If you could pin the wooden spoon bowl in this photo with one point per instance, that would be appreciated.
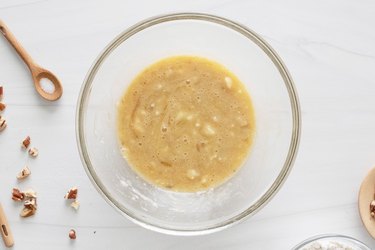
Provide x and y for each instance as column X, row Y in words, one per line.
column 38, row 75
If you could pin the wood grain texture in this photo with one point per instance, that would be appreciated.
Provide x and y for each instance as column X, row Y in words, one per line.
column 5, row 230
column 365, row 197
column 328, row 47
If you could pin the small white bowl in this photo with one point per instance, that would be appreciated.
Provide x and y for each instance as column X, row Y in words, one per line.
column 325, row 239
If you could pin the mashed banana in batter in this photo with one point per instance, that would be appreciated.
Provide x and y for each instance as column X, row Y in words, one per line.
column 186, row 124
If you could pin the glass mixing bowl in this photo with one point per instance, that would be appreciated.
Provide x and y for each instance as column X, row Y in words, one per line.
column 277, row 120
column 326, row 240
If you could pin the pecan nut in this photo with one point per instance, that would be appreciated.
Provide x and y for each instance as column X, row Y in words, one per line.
column 17, row 195
column 33, row 152
column 72, row 193
column 72, row 234
column 3, row 123
column 30, row 204
column 24, row 173
column 2, row 106
column 26, row 142
column 75, row 204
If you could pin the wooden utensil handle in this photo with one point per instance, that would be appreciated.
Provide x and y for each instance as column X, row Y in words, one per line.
column 5, row 229
column 16, row 45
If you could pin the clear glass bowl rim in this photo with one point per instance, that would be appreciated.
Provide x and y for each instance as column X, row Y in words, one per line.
column 253, row 37
column 325, row 236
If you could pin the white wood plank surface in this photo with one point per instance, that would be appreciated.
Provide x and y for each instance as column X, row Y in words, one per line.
column 329, row 48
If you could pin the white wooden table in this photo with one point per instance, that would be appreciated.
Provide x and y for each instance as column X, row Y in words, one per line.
column 329, row 48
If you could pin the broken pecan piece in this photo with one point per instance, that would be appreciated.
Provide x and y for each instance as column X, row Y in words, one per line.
column 17, row 195
column 2, row 106
column 30, row 193
column 72, row 234
column 3, row 123
column 26, row 142
column 24, row 173
column 26, row 212
column 30, row 205
column 33, row 152
column 72, row 193
column 372, row 208
column 75, row 204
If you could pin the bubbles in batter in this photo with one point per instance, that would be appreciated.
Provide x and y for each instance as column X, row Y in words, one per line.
column 186, row 124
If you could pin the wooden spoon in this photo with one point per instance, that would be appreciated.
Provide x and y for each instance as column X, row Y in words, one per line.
column 5, row 229
column 37, row 72
column 366, row 195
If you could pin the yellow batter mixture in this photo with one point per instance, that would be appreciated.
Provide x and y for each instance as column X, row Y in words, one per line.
column 186, row 123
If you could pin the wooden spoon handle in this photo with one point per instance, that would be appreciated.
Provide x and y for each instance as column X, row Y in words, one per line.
column 37, row 72
column 17, row 46
column 5, row 229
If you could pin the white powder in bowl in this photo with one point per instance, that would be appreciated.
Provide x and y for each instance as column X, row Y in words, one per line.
column 319, row 245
